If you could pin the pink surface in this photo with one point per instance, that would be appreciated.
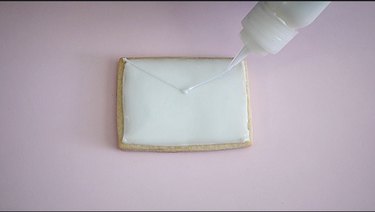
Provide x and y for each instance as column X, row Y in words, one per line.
column 313, row 109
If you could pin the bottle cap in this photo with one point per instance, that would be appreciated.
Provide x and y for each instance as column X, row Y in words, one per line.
column 264, row 32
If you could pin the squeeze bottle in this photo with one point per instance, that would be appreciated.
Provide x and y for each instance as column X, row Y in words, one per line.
column 269, row 26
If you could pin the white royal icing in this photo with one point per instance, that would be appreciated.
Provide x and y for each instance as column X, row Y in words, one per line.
column 156, row 112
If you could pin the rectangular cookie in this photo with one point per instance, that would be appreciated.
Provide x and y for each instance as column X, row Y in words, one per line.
column 154, row 115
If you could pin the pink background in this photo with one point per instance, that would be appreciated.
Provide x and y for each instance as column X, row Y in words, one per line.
column 313, row 110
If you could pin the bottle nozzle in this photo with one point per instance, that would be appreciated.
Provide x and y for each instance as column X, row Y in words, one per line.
column 241, row 55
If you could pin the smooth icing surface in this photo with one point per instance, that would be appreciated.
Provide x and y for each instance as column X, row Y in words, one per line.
column 156, row 112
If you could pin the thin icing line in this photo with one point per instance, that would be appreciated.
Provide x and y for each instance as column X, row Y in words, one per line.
column 157, row 78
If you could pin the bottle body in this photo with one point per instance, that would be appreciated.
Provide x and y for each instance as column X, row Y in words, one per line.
column 269, row 26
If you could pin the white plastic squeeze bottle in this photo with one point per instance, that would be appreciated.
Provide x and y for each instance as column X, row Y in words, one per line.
column 269, row 26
